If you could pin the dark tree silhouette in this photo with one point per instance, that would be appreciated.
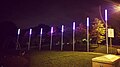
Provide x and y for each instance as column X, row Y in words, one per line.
column 8, row 32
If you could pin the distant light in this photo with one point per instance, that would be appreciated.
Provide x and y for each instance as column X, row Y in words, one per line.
column 87, row 21
column 41, row 30
column 30, row 31
column 18, row 31
column 73, row 25
column 116, row 8
column 51, row 29
column 105, row 14
column 62, row 28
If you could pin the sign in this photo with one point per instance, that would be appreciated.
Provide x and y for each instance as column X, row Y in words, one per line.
column 111, row 33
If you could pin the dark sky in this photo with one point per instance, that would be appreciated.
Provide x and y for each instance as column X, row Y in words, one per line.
column 27, row 13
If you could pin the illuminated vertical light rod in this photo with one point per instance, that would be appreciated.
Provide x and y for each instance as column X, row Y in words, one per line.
column 41, row 30
column 30, row 33
column 106, row 18
column 51, row 38
column 18, row 31
column 18, row 45
column 73, row 36
column 88, row 34
column 62, row 31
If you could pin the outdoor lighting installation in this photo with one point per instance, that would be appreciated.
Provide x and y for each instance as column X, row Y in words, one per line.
column 18, row 45
column 18, row 31
column 62, row 37
column 73, row 36
column 116, row 7
column 87, row 34
column 106, row 18
column 41, row 30
column 51, row 38
column 30, row 33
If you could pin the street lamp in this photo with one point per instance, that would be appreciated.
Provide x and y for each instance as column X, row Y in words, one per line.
column 41, row 30
column 18, row 44
column 30, row 33
column 106, row 29
column 116, row 8
column 73, row 36
column 87, row 34
column 62, row 37
column 115, row 5
column 51, row 38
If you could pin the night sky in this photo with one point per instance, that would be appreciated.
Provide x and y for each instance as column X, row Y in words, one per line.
column 27, row 13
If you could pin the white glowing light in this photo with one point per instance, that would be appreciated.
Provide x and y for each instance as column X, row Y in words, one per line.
column 117, row 8
column 51, row 29
column 62, row 28
column 41, row 30
column 73, row 25
column 87, row 21
column 105, row 14
column 18, row 31
column 30, row 31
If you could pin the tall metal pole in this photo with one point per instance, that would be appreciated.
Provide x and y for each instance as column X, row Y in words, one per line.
column 62, row 37
column 51, row 38
column 18, row 44
column 30, row 33
column 40, row 39
column 73, row 36
column 87, row 34
column 110, row 41
column 106, row 29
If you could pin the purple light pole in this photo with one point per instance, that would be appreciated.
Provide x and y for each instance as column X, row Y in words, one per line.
column 62, row 37
column 41, row 30
column 51, row 38
column 30, row 33
column 73, row 36
column 87, row 34
column 106, row 18
column 18, row 44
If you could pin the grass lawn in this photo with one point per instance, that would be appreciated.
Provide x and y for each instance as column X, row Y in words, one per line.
column 62, row 59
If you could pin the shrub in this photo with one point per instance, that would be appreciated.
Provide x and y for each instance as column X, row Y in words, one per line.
column 103, row 49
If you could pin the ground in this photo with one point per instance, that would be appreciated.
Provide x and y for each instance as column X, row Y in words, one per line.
column 52, row 59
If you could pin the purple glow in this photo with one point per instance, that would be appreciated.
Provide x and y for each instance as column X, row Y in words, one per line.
column 105, row 14
column 62, row 28
column 30, row 31
column 88, row 21
column 51, row 29
column 18, row 31
column 41, row 30
column 73, row 25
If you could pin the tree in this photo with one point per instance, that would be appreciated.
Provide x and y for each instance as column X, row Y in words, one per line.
column 8, row 35
column 98, row 31
column 81, row 32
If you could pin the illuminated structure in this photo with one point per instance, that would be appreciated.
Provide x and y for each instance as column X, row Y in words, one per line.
column 18, row 44
column 73, row 36
column 106, row 29
column 62, row 37
column 51, row 38
column 106, row 18
column 87, row 34
column 41, row 30
column 30, row 33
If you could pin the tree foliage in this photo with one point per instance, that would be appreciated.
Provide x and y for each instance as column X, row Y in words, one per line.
column 81, row 32
column 98, row 31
